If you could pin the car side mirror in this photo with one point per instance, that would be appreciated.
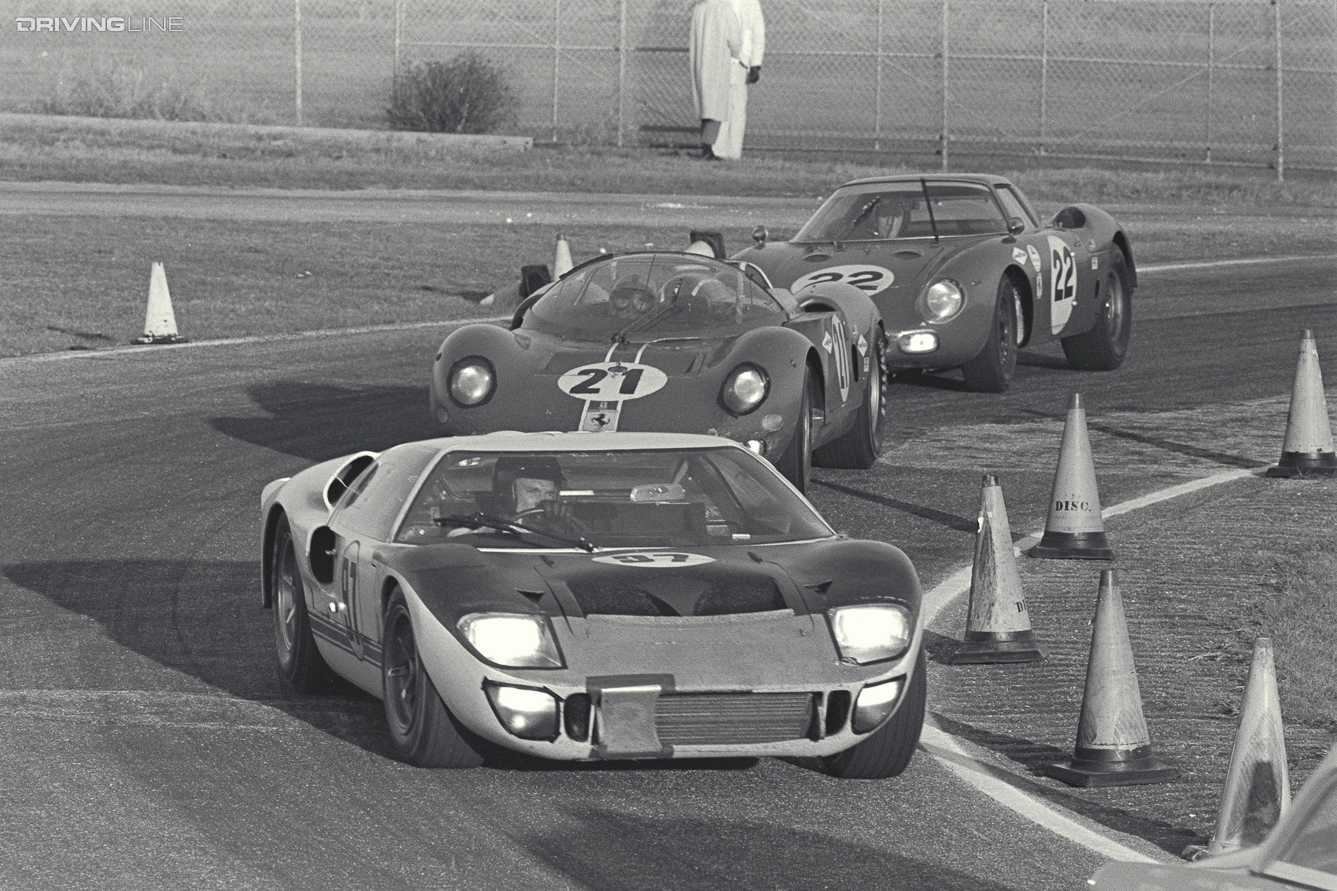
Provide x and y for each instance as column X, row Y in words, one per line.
column 759, row 235
column 1015, row 226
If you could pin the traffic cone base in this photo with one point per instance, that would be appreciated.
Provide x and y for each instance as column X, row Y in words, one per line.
column 1304, row 464
column 1073, row 546
column 988, row 647
column 1091, row 768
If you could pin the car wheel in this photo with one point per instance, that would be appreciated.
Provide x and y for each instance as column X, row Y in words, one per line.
column 796, row 462
column 887, row 752
column 1105, row 345
column 991, row 371
column 859, row 446
column 301, row 666
column 423, row 731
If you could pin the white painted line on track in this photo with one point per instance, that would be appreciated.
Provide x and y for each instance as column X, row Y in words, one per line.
column 258, row 338
column 1216, row 264
column 948, row 750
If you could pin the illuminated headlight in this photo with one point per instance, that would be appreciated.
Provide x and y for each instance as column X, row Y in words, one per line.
column 524, row 711
column 917, row 341
column 512, row 639
column 472, row 381
column 744, row 389
column 871, row 632
column 941, row 300
column 875, row 703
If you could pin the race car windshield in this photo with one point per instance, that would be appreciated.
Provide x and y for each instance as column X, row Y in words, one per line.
column 608, row 499
column 646, row 297
column 894, row 211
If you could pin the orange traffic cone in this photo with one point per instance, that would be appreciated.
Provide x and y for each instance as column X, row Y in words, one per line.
column 1257, row 790
column 1307, row 449
column 561, row 261
column 1075, row 528
column 159, row 320
column 998, row 627
column 1113, row 746
column 707, row 244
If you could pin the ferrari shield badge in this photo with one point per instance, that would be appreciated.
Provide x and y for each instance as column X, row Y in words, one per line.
column 604, row 386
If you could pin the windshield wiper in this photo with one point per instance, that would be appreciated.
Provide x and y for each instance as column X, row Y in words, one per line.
column 863, row 215
column 620, row 335
column 483, row 521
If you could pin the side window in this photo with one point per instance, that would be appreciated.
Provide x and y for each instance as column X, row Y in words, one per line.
column 1014, row 207
column 376, row 499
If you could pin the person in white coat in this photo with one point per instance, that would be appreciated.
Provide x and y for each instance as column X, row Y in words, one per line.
column 713, row 53
column 742, row 75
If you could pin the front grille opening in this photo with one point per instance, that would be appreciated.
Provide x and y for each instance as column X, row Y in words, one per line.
column 576, row 717
column 837, row 711
column 700, row 719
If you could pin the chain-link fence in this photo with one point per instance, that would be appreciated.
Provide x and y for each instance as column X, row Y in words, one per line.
column 1246, row 82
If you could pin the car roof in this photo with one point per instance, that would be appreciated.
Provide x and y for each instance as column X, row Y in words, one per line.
column 986, row 179
column 557, row 441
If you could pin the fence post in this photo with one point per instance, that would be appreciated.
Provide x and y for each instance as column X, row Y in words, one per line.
column 1281, row 133
column 556, row 59
column 394, row 71
column 1044, row 71
column 946, row 91
column 621, row 70
column 877, row 91
column 1211, row 65
column 297, row 53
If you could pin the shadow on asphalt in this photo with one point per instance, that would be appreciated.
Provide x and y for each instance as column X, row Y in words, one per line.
column 1034, row 756
column 321, row 421
column 607, row 851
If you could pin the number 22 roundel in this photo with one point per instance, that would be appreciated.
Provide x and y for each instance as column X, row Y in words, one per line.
column 1062, row 283
column 612, row 381
column 869, row 279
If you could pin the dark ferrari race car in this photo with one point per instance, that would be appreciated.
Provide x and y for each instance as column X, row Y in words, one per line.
column 582, row 596
column 964, row 272
column 676, row 341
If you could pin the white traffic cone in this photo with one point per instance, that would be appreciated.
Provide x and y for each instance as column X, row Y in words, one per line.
column 159, row 320
column 1307, row 449
column 561, row 261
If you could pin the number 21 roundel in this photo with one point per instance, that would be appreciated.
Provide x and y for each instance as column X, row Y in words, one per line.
column 612, row 381
column 869, row 279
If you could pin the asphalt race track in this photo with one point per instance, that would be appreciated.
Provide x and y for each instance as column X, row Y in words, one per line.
column 148, row 743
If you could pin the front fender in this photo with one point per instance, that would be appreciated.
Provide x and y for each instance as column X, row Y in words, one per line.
column 497, row 345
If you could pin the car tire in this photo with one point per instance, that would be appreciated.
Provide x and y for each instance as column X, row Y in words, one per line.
column 859, row 446
column 422, row 729
column 887, row 752
column 1103, row 347
column 991, row 371
column 301, row 667
column 796, row 461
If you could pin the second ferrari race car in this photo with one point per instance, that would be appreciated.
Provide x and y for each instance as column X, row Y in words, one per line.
column 677, row 342
column 580, row 596
column 965, row 273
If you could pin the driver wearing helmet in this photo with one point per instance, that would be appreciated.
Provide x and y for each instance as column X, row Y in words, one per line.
column 527, row 489
column 630, row 299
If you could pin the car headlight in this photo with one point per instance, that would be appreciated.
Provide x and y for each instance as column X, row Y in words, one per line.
column 871, row 632
column 514, row 640
column 744, row 389
column 941, row 300
column 472, row 381
column 524, row 711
